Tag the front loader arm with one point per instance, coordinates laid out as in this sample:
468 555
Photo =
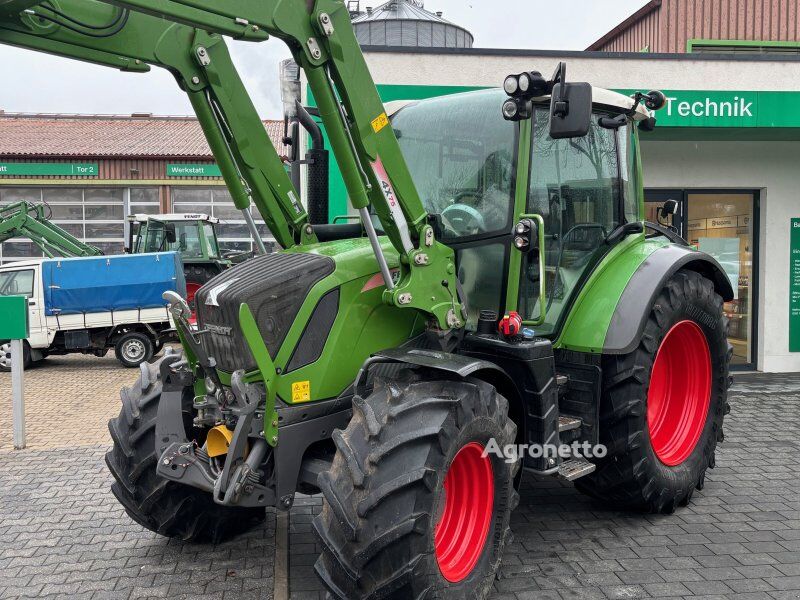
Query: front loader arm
26 220
241 146
322 40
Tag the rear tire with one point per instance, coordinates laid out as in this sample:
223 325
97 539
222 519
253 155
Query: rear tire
133 349
165 507
388 527
680 368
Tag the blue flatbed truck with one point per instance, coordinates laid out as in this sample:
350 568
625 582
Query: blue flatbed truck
90 305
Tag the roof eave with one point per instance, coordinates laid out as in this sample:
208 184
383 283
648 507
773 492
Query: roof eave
626 24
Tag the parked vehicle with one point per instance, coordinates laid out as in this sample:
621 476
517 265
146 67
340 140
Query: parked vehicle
194 236
90 305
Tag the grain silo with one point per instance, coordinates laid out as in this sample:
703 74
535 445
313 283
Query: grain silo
406 23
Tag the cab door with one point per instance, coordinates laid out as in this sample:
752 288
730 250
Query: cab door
25 281
575 195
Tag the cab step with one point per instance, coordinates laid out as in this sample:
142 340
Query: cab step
566 423
575 468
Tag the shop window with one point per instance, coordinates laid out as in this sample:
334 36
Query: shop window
9 195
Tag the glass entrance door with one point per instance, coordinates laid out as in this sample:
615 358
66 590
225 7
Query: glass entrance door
721 224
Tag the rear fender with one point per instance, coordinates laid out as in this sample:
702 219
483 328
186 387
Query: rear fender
612 307
633 309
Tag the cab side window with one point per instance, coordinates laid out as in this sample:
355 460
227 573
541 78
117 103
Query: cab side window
17 283
575 186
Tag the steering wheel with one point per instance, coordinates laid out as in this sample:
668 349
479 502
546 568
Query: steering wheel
462 219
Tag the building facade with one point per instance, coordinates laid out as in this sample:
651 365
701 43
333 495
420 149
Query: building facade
715 26
94 171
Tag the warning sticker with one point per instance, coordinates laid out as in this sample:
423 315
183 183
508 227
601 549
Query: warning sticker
379 123
301 391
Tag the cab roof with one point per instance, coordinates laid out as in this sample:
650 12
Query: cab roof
601 97
173 217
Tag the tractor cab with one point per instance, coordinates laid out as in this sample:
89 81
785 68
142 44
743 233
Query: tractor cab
528 210
192 235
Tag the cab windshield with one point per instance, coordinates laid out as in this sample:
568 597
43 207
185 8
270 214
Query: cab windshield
461 157
188 239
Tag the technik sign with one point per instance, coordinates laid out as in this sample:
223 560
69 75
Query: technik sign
729 109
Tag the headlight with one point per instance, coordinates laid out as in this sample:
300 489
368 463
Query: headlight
510 110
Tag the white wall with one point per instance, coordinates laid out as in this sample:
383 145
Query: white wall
615 73
771 167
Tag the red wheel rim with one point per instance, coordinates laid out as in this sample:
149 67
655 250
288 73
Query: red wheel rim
469 502
680 393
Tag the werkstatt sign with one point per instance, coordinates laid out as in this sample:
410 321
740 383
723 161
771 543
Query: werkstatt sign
696 108
60 169
174 170
794 287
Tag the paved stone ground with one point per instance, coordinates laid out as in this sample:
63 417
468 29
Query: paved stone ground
80 393
63 535
739 538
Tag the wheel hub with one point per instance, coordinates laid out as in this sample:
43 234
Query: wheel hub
463 528
680 391
134 350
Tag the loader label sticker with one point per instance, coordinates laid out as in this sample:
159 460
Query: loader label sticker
379 123
301 391
394 206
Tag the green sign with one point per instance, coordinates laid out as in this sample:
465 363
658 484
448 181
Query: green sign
794 287
14 321
62 169
728 109
174 170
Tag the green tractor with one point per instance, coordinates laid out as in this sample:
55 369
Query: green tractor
194 236
502 309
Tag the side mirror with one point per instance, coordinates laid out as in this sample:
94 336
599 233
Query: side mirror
670 207
169 229
655 100
570 110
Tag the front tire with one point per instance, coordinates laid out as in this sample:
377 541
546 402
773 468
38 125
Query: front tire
5 356
663 404
165 507
413 508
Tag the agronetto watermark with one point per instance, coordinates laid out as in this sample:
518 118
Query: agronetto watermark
511 453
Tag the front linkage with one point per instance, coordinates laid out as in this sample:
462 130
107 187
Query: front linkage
240 422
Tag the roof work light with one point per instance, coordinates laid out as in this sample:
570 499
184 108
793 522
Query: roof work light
522 88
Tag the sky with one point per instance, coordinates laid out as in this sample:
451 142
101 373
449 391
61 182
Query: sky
35 82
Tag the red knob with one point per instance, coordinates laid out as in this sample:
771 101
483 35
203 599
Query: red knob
510 325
